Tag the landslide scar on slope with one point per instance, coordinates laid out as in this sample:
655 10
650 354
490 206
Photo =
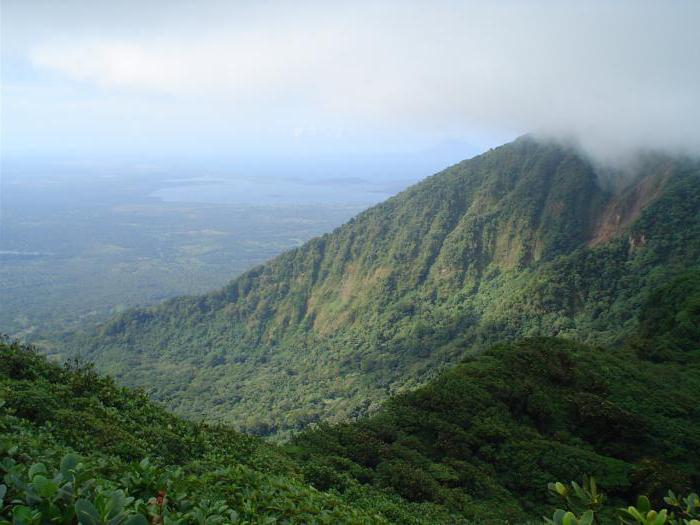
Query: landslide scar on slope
626 207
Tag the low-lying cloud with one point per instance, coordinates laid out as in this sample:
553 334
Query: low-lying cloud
615 77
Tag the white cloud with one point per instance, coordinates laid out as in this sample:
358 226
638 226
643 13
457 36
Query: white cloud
616 76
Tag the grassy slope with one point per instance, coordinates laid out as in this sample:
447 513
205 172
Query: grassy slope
494 248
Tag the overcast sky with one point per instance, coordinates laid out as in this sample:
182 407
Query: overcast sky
92 78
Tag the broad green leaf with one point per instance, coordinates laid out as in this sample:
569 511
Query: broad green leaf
671 498
68 464
643 504
558 516
22 515
587 518
569 519
37 468
115 503
661 518
44 487
635 514
87 513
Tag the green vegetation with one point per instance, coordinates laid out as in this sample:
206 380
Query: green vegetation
76 250
487 435
74 445
522 241
479 444
441 358
586 507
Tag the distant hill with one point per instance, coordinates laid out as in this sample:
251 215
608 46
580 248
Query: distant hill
528 239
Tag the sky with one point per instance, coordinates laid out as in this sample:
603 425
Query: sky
212 79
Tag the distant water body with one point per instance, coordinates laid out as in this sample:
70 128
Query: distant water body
273 191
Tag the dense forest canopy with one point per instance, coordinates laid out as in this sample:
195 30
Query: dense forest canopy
528 239
478 444
460 353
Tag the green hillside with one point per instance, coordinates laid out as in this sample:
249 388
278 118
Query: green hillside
523 240
71 440
485 436
478 444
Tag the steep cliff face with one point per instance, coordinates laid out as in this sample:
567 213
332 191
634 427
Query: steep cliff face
522 240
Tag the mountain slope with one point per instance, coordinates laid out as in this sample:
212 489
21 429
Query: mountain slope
484 436
478 444
523 240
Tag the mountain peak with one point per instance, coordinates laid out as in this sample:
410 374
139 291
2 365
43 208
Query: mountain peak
521 240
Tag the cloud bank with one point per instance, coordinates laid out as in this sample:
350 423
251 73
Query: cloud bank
615 77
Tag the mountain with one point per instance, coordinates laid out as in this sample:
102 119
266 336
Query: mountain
485 436
477 444
528 239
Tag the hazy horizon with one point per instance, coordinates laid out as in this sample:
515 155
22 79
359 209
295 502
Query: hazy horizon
376 80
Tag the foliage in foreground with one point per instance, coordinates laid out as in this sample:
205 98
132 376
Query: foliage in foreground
584 506
74 446
107 492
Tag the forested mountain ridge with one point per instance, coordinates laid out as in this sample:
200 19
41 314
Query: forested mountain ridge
488 432
478 444
522 240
